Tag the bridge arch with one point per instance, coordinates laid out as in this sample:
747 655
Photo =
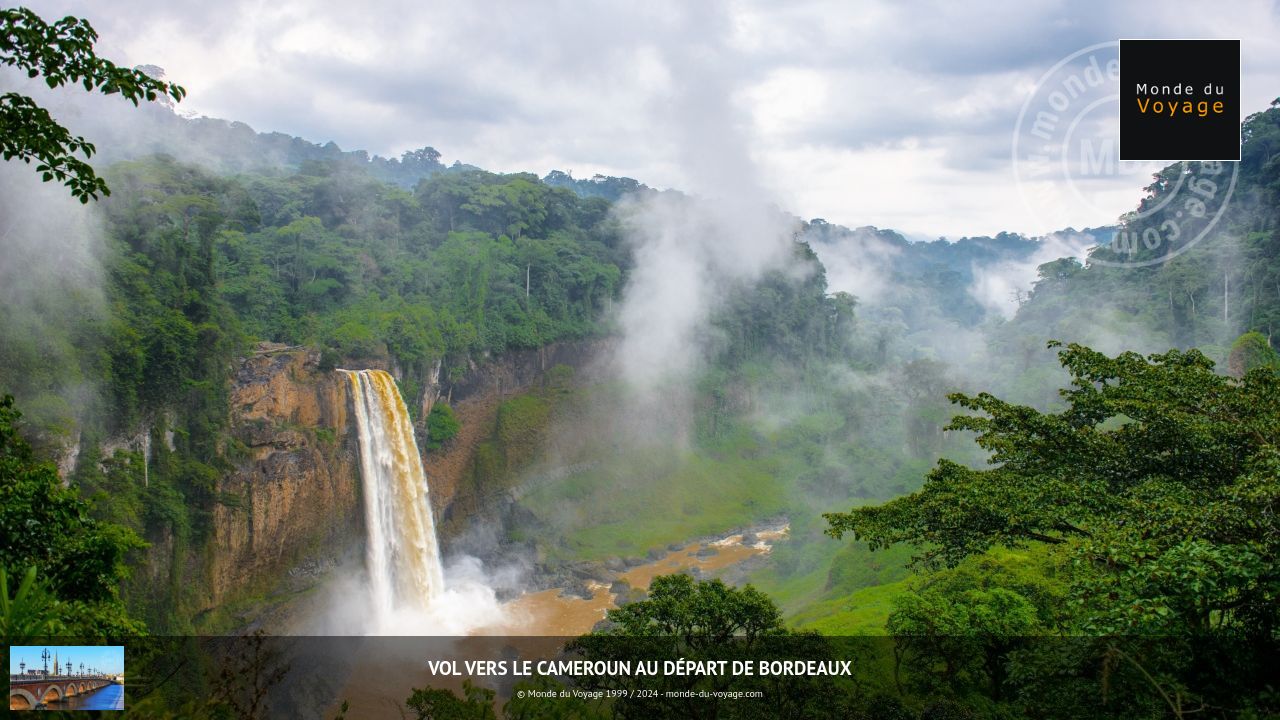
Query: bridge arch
70 690
20 699
53 693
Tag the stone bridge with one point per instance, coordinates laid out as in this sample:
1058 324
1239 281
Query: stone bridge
41 692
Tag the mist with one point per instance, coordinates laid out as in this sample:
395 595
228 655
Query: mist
688 250
51 288
474 600
861 264
1001 286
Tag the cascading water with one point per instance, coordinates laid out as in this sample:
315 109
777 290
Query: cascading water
403 557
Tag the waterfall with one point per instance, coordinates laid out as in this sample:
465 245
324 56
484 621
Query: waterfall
403 557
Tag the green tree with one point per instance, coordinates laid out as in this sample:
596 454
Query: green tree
61 52
684 619
1157 477
1251 350
47 527
442 424
956 628
1156 487
476 703
703 615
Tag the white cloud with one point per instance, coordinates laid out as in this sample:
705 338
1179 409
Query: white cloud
892 114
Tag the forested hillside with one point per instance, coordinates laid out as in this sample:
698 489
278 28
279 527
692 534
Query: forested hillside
1213 292
201 265
197 267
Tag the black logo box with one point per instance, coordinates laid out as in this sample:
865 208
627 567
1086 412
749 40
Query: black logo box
1157 73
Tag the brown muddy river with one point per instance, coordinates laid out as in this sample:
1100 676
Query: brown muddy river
537 625
549 613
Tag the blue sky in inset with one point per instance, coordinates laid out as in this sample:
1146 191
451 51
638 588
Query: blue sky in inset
108 659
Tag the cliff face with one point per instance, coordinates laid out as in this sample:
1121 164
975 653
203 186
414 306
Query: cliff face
476 398
298 490
295 509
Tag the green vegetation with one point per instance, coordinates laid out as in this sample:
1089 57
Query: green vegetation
1206 297
521 423
701 622
1147 509
861 612
667 500
754 453
60 569
476 703
1110 563
61 53
1251 351
31 612
198 267
468 262
442 425
791 416
836 588
1140 507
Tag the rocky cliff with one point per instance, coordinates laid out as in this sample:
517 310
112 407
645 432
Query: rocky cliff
475 398
295 506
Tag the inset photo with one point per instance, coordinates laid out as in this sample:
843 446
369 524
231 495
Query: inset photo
66 677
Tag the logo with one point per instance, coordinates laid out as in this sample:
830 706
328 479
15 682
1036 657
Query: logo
1180 100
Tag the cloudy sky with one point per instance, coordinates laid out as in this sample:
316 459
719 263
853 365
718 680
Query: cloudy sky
894 114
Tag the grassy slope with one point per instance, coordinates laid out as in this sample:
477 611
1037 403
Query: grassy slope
633 501
622 501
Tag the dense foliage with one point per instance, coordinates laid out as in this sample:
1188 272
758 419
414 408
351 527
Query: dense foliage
1214 291
1151 489
442 425
705 622
468 263
60 569
198 267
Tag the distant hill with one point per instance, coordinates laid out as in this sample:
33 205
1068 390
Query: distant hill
601 186
122 132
